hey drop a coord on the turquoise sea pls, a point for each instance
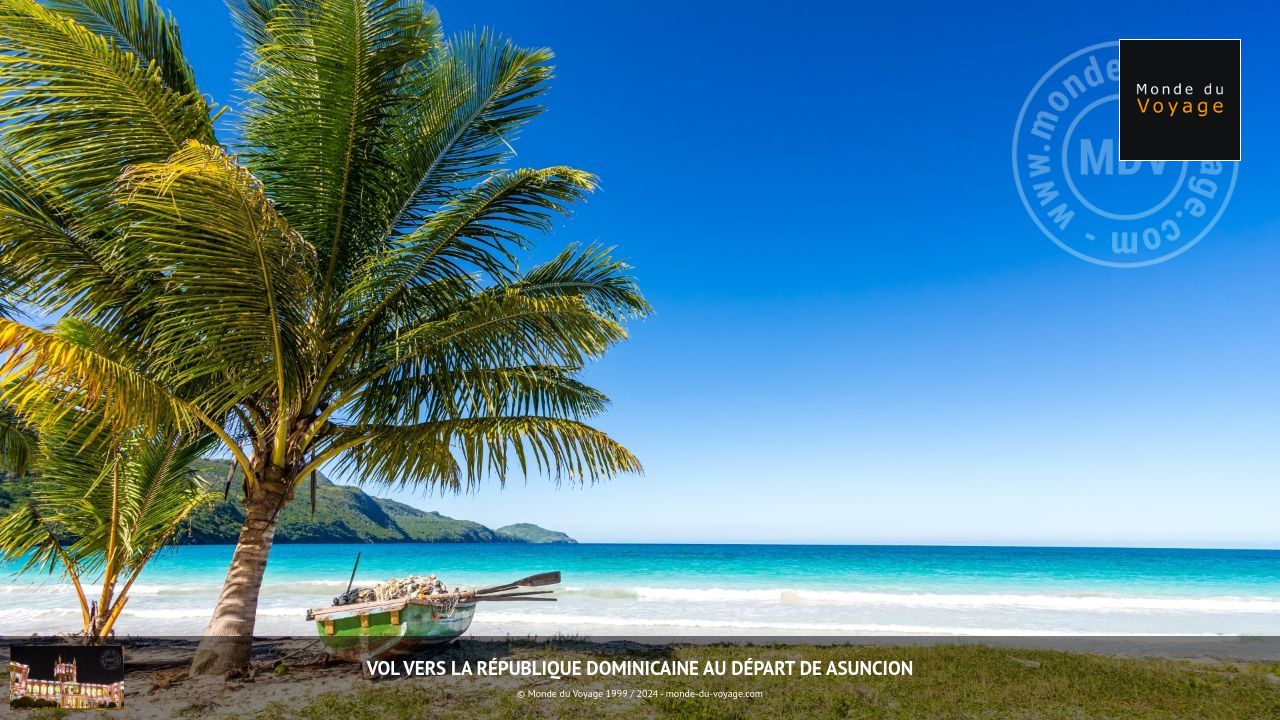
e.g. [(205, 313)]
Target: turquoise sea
[(727, 589)]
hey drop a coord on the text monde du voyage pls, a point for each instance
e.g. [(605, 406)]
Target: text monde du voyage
[(1180, 99)]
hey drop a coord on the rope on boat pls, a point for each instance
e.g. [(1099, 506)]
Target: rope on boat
[(413, 586), (447, 605)]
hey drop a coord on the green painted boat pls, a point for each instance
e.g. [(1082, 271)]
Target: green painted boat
[(394, 628)]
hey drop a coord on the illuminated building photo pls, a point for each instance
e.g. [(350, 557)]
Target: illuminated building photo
[(43, 685)]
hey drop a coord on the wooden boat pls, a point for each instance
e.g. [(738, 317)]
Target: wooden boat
[(404, 626), (392, 629)]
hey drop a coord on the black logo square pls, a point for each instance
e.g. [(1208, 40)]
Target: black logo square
[(1179, 100)]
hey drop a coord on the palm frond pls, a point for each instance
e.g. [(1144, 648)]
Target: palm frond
[(446, 393), (45, 257), (17, 442), (140, 27), (125, 494), (494, 329), (17, 439), (473, 102), (592, 274), (324, 80), (151, 478), (26, 537), (251, 18), (75, 108), (206, 224), (51, 374), (476, 231), (457, 454)]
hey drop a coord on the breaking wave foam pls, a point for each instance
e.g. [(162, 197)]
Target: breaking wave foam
[(1075, 603), (542, 622)]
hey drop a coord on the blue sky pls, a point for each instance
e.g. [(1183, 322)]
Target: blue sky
[(861, 337)]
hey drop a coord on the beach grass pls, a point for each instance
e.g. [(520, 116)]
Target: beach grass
[(948, 681)]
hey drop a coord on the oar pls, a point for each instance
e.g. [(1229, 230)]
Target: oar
[(547, 578), (515, 594), (353, 572), (514, 598)]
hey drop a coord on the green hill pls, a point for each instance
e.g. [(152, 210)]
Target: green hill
[(530, 533), (343, 514)]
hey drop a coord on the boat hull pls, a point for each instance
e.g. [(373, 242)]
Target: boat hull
[(393, 629)]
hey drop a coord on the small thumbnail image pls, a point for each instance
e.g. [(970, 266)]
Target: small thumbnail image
[(66, 676)]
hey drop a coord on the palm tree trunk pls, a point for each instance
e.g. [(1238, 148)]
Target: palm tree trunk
[(110, 571), (229, 637), (123, 598)]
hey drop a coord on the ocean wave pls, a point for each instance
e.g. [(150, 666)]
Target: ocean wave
[(169, 613), (313, 591), (292, 587), (44, 588), (1079, 602), (33, 613), (206, 611), (58, 588), (544, 624), (607, 593)]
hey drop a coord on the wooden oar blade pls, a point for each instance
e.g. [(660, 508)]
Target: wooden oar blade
[(547, 578)]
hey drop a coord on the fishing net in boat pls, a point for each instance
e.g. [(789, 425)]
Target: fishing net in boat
[(413, 586), (446, 604)]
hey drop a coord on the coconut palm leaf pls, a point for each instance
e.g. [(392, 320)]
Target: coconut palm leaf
[(17, 439), (139, 487), (17, 442), (140, 27), (457, 454), (487, 392), (52, 258), (493, 330), (487, 94), (75, 108), (26, 537), (478, 229), (204, 223), (50, 375), (324, 89)]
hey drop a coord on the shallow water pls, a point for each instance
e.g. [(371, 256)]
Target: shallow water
[(727, 589)]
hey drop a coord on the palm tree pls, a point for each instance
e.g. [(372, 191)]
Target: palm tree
[(342, 284), (102, 507)]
